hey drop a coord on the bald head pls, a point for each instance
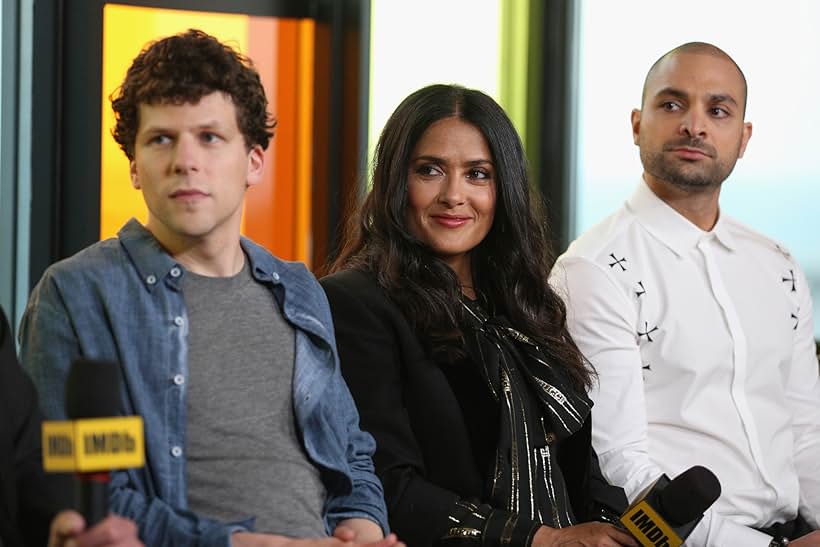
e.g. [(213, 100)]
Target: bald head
[(694, 48)]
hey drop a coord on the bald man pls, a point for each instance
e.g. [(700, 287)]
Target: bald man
[(700, 328)]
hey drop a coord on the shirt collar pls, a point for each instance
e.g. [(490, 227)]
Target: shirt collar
[(723, 234), (151, 261), (672, 228), (154, 264), (264, 266)]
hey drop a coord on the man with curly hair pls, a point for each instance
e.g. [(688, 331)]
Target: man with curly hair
[(227, 352)]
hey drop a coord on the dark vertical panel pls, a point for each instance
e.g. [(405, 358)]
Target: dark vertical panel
[(551, 96), (79, 174), (8, 169), (354, 103), (535, 106), (363, 98), (326, 124), (45, 127), (342, 95)]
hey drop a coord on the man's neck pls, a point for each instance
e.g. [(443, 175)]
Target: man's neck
[(212, 263), (700, 207), (210, 255)]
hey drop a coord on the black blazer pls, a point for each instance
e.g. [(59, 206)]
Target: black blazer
[(28, 497), (423, 454)]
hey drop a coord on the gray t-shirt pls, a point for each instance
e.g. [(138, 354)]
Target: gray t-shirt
[(244, 453)]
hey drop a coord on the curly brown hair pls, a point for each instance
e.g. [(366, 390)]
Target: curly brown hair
[(182, 69)]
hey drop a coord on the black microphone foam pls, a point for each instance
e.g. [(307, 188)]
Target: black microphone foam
[(688, 495), (93, 389)]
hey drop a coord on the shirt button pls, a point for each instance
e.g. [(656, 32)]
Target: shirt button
[(550, 438), (178, 321), (275, 276), (179, 379), (176, 451), (151, 279), (175, 272)]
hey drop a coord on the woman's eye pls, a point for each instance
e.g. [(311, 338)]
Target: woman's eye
[(428, 170), (478, 174)]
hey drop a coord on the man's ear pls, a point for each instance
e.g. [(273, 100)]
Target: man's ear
[(256, 165), (636, 124), (132, 169), (744, 140)]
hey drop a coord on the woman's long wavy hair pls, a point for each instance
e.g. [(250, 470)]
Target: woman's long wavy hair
[(510, 266)]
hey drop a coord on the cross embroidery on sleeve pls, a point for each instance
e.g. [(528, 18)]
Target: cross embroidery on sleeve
[(790, 278), (647, 331), (619, 261)]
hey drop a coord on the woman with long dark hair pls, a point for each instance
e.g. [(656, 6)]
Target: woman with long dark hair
[(453, 343)]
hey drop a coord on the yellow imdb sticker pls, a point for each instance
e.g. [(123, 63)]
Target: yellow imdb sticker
[(648, 527), (96, 444)]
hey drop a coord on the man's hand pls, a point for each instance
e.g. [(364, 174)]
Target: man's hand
[(348, 533), (590, 534), (811, 539), (68, 530), (364, 533), (252, 539)]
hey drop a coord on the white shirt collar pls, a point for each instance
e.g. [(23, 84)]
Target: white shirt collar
[(670, 227)]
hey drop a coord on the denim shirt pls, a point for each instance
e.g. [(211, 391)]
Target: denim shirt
[(121, 300)]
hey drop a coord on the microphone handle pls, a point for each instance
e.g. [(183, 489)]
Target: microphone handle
[(92, 496)]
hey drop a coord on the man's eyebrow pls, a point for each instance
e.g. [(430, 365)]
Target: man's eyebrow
[(208, 124), (673, 91), (155, 128), (722, 98), (680, 94), (159, 127)]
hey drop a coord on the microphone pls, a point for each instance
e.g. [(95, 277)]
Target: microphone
[(666, 512), (93, 441)]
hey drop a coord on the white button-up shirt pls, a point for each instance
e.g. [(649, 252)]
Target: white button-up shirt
[(703, 344)]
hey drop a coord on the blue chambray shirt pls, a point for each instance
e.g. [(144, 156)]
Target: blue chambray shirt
[(121, 300)]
